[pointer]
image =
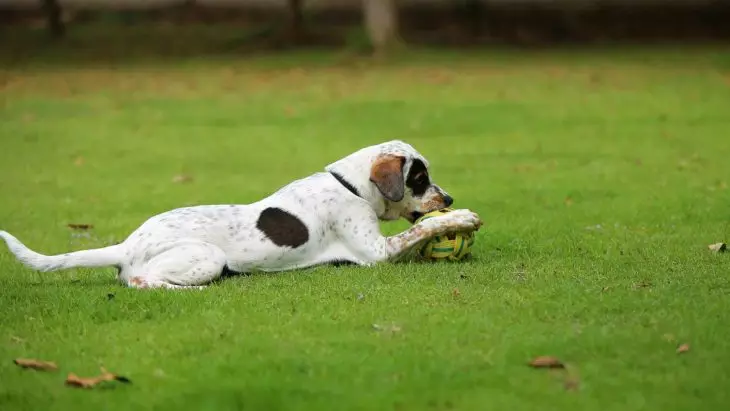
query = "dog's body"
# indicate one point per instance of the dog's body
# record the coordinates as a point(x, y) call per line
point(327, 217)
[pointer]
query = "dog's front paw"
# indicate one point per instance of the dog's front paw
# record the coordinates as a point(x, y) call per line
point(455, 221)
point(465, 220)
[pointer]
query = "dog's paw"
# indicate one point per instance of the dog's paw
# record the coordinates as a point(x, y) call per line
point(466, 220)
point(456, 221)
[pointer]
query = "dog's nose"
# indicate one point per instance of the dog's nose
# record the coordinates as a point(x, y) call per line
point(448, 200)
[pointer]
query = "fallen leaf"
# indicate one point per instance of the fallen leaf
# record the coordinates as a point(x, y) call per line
point(290, 111)
point(682, 348)
point(182, 178)
point(456, 292)
point(523, 168)
point(643, 284)
point(440, 78)
point(546, 362)
point(76, 381)
point(80, 226)
point(35, 364)
point(718, 247)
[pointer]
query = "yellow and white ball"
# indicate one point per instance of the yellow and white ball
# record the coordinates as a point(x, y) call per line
point(451, 247)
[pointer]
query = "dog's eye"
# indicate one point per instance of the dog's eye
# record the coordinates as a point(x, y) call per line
point(422, 178)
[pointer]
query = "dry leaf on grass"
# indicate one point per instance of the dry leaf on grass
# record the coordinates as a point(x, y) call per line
point(718, 247)
point(75, 226)
point(182, 178)
point(682, 348)
point(546, 361)
point(35, 364)
point(568, 374)
point(456, 292)
point(76, 381)
point(290, 111)
point(643, 284)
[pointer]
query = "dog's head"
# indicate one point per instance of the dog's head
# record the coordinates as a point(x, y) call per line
point(394, 178)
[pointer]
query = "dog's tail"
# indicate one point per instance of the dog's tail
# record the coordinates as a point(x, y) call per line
point(99, 257)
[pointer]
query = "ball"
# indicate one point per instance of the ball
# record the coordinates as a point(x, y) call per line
point(452, 247)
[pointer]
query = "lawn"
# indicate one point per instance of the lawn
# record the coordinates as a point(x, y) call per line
point(602, 176)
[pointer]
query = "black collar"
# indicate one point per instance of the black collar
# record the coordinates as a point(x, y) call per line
point(345, 183)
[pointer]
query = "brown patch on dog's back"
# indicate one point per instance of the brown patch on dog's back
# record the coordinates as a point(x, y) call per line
point(387, 174)
point(282, 228)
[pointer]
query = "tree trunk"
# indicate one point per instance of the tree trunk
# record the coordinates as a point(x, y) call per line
point(381, 22)
point(53, 17)
point(296, 11)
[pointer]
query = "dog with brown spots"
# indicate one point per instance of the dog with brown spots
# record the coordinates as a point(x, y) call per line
point(328, 217)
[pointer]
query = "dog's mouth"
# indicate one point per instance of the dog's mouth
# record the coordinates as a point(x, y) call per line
point(414, 216)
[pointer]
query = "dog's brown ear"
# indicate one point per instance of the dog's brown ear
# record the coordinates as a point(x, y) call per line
point(387, 174)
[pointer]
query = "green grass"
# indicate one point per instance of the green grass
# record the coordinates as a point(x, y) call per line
point(601, 176)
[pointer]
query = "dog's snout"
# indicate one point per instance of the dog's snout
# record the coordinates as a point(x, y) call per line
point(448, 200)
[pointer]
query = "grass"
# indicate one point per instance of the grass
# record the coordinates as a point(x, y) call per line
point(602, 177)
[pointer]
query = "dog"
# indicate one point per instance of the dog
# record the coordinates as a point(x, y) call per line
point(328, 217)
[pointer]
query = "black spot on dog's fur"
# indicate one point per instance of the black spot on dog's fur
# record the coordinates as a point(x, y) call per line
point(282, 228)
point(418, 180)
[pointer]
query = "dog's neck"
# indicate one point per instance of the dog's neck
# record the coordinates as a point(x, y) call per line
point(353, 172)
point(345, 183)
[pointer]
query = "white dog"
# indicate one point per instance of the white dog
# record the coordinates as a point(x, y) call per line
point(328, 217)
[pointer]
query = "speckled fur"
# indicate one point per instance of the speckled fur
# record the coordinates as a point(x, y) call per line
point(191, 246)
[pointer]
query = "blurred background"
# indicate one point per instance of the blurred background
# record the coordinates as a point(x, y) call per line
point(381, 24)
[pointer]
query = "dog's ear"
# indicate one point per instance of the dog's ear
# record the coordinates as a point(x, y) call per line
point(387, 174)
